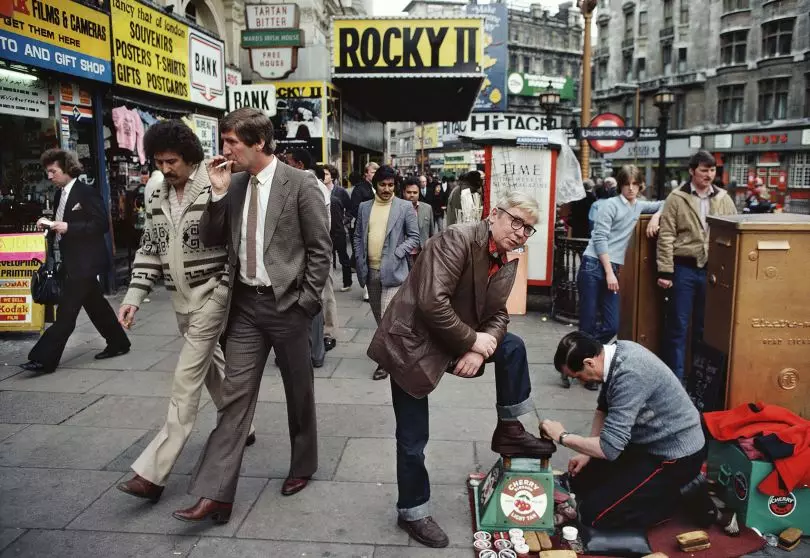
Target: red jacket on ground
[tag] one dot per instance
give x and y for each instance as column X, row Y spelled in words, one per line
column 781, row 435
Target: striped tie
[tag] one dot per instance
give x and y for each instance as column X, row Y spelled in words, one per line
column 60, row 211
column 252, row 221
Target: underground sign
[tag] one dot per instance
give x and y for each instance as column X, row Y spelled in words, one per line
column 607, row 120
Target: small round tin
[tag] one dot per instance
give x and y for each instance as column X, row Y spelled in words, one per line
column 481, row 544
column 482, row 536
column 503, row 544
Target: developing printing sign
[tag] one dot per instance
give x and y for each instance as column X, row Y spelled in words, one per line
column 23, row 95
column 20, row 257
column 207, row 63
column 150, row 49
column 401, row 46
column 58, row 35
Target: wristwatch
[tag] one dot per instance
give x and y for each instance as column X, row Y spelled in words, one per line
column 561, row 439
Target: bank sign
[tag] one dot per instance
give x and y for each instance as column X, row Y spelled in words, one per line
column 403, row 46
column 58, row 35
column 155, row 53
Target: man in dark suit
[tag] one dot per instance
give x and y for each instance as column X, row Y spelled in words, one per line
column 79, row 226
column 274, row 221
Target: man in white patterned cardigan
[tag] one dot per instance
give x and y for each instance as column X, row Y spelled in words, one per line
column 197, row 278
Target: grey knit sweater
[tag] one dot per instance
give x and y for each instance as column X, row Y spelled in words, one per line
column 647, row 406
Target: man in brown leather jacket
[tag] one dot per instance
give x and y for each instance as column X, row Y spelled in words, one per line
column 450, row 315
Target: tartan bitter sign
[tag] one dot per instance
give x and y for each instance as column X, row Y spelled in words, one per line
column 273, row 38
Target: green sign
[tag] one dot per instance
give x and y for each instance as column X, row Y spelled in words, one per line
column 272, row 38
column 532, row 85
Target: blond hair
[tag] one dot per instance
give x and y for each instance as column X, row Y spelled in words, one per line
column 520, row 200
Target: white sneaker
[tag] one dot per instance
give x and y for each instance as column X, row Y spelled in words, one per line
column 345, row 289
column 365, row 294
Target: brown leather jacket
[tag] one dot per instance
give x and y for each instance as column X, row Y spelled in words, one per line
column 447, row 297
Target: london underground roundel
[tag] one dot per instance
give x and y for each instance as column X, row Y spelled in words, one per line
column 607, row 119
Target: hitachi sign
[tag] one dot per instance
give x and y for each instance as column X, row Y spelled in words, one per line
column 261, row 97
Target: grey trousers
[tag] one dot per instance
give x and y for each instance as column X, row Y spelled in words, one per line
column 316, row 338
column 254, row 328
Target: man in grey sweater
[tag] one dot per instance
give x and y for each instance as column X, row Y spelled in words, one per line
column 645, row 444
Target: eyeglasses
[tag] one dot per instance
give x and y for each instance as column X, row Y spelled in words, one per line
column 518, row 223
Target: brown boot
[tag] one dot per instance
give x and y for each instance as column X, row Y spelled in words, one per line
column 425, row 531
column 205, row 508
column 510, row 439
column 142, row 488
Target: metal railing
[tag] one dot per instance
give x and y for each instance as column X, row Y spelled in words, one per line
column 564, row 292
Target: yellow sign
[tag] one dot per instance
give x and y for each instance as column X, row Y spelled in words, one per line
column 407, row 46
column 58, row 35
column 20, row 257
column 150, row 50
column 427, row 136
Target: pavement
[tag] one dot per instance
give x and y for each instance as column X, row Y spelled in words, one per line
column 67, row 438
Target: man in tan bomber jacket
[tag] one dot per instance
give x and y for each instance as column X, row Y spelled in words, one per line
column 683, row 251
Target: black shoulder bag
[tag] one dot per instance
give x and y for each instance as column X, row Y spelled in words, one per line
column 46, row 283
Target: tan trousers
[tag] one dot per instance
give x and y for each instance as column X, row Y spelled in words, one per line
column 330, row 327
column 201, row 361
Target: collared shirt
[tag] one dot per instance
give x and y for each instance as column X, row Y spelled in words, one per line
column 63, row 200
column 625, row 201
column 705, row 203
column 496, row 260
column 265, row 178
column 175, row 204
column 610, row 352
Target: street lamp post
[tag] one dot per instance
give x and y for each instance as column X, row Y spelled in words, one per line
column 663, row 99
column 549, row 100
column 587, row 7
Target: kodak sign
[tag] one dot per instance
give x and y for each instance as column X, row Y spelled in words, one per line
column 382, row 47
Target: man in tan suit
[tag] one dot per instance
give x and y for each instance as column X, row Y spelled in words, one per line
column 273, row 220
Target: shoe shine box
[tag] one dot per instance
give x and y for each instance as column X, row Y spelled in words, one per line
column 737, row 479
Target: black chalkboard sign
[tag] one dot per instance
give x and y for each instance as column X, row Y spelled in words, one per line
column 706, row 384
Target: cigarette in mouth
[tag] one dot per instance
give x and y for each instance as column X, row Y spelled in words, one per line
column 222, row 165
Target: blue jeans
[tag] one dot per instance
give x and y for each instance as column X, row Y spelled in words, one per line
column 687, row 299
column 512, row 388
column 595, row 300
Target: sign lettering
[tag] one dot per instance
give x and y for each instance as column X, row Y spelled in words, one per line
column 413, row 46
column 261, row 97
column 207, row 59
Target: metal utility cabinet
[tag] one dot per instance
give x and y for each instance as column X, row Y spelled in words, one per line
column 758, row 307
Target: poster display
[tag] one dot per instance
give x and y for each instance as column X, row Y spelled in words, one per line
column 333, row 126
column 23, row 95
column 299, row 119
column 530, row 171
column 492, row 97
column 20, row 256
column 207, row 130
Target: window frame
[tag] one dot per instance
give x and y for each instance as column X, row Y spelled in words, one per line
column 629, row 24
column 730, row 43
column 642, row 20
column 684, row 9
column 774, row 36
column 629, row 116
column 641, row 69
column 735, row 5
column 669, row 17
column 731, row 98
column 666, row 49
column 772, row 94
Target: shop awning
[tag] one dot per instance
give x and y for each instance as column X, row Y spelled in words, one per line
column 409, row 69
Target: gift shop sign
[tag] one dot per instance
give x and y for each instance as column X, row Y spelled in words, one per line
column 272, row 62
column 58, row 35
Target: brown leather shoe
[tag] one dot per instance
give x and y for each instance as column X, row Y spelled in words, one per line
column 142, row 488
column 425, row 531
column 205, row 508
column 292, row 485
column 510, row 439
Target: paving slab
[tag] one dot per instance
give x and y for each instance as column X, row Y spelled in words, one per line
column 77, row 544
column 7, row 430
column 8, row 536
column 417, row 552
column 363, row 322
column 361, row 368
column 28, row 407
column 64, row 380
column 370, row 421
column 217, row 548
column 136, row 359
column 65, row 447
column 116, row 411
column 116, row 511
column 345, row 334
column 333, row 512
column 48, row 498
column 10, row 369
column 374, row 460
column 135, row 383
column 450, row 507
column 350, row 349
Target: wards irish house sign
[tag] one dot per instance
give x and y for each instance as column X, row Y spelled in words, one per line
column 273, row 38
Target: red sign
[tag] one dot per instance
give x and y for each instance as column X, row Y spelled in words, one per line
column 6, row 8
column 762, row 139
column 607, row 119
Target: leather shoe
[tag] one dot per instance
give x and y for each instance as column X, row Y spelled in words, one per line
column 379, row 374
column 329, row 343
column 142, row 488
column 110, row 352
column 34, row 366
column 205, row 508
column 251, row 439
column 566, row 381
column 510, row 439
column 293, row 485
column 425, row 531
column 592, row 386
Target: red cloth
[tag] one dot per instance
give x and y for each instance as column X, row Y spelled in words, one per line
column 495, row 260
column 781, row 435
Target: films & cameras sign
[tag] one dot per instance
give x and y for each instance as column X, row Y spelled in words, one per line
column 58, row 35
column 400, row 46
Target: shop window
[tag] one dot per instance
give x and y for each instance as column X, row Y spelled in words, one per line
column 777, row 37
column 642, row 24
column 641, row 69
column 733, row 47
column 734, row 5
column 737, row 167
column 666, row 59
column 799, row 175
column 628, row 24
column 773, row 97
column 684, row 17
column 668, row 13
column 730, row 101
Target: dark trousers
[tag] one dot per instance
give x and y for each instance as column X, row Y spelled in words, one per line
column 512, row 389
column 637, row 489
column 340, row 248
column 255, row 326
column 78, row 293
column 687, row 301
column 598, row 305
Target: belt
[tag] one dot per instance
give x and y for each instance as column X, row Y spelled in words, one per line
column 687, row 261
column 258, row 289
